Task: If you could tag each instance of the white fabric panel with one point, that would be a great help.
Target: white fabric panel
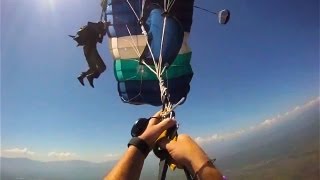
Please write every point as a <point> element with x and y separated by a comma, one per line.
<point>185,44</point>
<point>123,47</point>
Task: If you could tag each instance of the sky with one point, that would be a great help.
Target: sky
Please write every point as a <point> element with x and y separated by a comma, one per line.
<point>263,63</point>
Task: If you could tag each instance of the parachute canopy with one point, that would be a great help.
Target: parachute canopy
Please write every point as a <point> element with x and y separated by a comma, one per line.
<point>148,40</point>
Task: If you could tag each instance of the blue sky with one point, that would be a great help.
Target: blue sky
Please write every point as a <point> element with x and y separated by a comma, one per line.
<point>264,62</point>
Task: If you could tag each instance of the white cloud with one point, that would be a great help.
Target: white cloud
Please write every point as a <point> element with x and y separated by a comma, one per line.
<point>218,138</point>
<point>269,122</point>
<point>313,102</point>
<point>296,108</point>
<point>264,124</point>
<point>251,128</point>
<point>18,152</point>
<point>61,155</point>
<point>110,156</point>
<point>213,138</point>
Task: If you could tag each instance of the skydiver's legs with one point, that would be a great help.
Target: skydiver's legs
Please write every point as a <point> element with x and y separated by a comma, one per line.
<point>89,51</point>
<point>91,59</point>
<point>101,67</point>
<point>92,76</point>
<point>95,62</point>
<point>81,77</point>
<point>88,73</point>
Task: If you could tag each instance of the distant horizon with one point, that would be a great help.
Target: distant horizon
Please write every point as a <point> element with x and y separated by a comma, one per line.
<point>25,153</point>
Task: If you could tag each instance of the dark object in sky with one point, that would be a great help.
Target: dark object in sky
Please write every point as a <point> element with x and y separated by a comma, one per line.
<point>224,16</point>
<point>88,36</point>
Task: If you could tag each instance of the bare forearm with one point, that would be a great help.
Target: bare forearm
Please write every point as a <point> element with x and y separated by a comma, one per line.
<point>129,166</point>
<point>186,152</point>
<point>204,169</point>
<point>208,172</point>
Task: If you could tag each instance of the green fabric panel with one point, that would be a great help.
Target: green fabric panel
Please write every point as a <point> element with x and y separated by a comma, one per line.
<point>118,74</point>
<point>130,69</point>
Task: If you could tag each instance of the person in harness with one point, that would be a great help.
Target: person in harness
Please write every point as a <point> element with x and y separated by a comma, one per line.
<point>88,36</point>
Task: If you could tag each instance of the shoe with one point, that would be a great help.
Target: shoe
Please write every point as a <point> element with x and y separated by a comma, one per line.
<point>80,78</point>
<point>90,79</point>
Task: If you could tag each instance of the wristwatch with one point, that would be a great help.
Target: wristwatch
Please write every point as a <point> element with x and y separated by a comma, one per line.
<point>140,144</point>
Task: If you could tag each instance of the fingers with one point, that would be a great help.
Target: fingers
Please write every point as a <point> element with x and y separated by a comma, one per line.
<point>155,119</point>
<point>166,124</point>
<point>164,143</point>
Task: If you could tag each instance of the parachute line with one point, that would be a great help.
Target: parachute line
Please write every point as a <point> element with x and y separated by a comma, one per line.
<point>162,86</point>
<point>145,34</point>
<point>133,10</point>
<point>165,5</point>
<point>139,94</point>
<point>153,59</point>
<point>163,70</point>
<point>205,10</point>
<point>150,68</point>
<point>142,8</point>
<point>162,38</point>
<point>158,71</point>
<point>133,44</point>
<point>104,5</point>
<point>137,51</point>
<point>170,6</point>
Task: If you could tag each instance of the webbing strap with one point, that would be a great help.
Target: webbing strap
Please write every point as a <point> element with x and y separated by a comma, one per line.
<point>187,173</point>
<point>163,167</point>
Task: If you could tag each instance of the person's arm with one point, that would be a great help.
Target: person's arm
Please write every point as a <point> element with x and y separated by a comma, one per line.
<point>130,165</point>
<point>187,153</point>
<point>205,170</point>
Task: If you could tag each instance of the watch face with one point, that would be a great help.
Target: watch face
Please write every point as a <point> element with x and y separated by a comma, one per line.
<point>139,127</point>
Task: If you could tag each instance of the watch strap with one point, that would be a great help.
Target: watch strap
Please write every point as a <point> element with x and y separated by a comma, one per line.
<point>140,144</point>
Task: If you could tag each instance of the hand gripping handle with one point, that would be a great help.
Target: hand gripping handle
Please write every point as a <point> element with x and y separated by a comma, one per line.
<point>170,134</point>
